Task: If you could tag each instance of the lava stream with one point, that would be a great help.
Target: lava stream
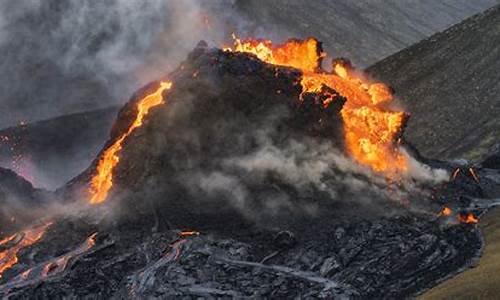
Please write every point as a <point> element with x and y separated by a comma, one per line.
<point>54,266</point>
<point>467,218</point>
<point>102,181</point>
<point>446,212</point>
<point>189,233</point>
<point>8,257</point>
<point>371,128</point>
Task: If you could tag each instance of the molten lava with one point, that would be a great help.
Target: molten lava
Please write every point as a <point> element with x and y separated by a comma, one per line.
<point>8,257</point>
<point>446,211</point>
<point>305,55</point>
<point>102,181</point>
<point>371,128</point>
<point>189,233</point>
<point>467,218</point>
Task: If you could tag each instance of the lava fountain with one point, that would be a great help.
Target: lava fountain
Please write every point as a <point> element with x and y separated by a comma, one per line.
<point>371,128</point>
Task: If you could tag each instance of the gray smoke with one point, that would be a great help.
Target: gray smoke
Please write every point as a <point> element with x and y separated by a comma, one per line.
<point>310,167</point>
<point>60,57</point>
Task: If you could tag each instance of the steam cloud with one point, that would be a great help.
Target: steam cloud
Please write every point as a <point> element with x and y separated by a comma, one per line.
<point>60,57</point>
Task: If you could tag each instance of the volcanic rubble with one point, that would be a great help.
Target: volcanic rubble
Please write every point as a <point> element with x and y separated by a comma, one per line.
<point>193,212</point>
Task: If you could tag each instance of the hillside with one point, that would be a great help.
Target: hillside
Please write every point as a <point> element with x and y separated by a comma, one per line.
<point>16,196</point>
<point>48,153</point>
<point>449,83</point>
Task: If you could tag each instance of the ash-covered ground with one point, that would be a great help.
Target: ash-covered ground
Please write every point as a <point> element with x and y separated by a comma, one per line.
<point>234,188</point>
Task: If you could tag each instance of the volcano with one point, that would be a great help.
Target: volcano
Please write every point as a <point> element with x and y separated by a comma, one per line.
<point>248,172</point>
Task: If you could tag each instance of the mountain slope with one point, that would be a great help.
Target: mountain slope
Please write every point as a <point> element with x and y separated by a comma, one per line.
<point>50,152</point>
<point>20,203</point>
<point>450,84</point>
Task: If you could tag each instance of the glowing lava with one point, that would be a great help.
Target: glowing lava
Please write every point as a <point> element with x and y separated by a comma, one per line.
<point>8,257</point>
<point>102,181</point>
<point>468,218</point>
<point>446,211</point>
<point>371,128</point>
<point>189,233</point>
<point>305,55</point>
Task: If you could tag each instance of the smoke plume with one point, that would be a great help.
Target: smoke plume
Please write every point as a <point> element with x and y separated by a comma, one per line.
<point>61,57</point>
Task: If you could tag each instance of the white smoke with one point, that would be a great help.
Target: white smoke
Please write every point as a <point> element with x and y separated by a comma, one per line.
<point>422,172</point>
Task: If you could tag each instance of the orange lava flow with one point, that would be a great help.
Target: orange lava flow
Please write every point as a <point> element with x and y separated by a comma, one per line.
<point>102,181</point>
<point>446,211</point>
<point>304,55</point>
<point>371,128</point>
<point>468,218</point>
<point>8,257</point>
<point>189,233</point>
